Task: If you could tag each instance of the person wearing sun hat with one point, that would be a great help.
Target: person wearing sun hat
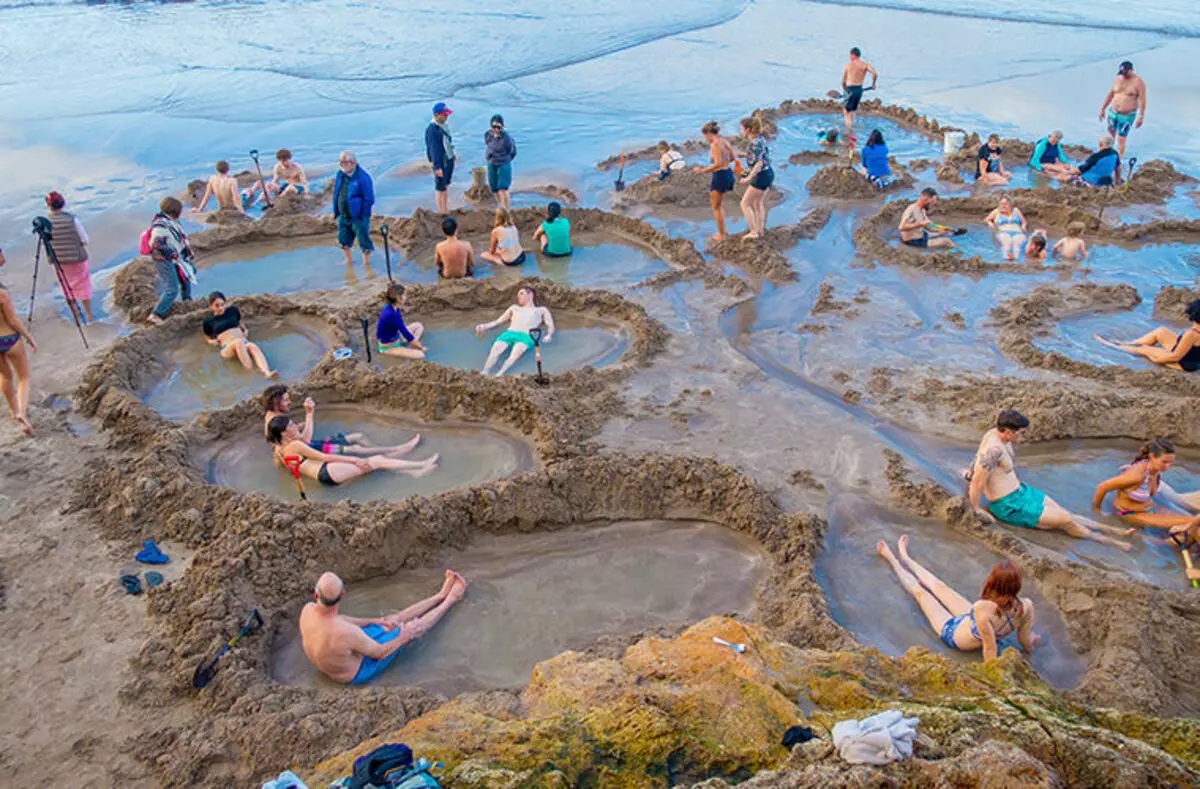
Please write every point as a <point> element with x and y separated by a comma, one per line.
<point>439,147</point>
<point>1125,103</point>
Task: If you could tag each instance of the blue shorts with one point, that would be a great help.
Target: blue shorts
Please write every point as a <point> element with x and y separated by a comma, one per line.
<point>1120,124</point>
<point>351,229</point>
<point>293,188</point>
<point>372,668</point>
<point>442,183</point>
<point>499,177</point>
<point>921,242</point>
<point>721,181</point>
<point>764,179</point>
<point>1022,507</point>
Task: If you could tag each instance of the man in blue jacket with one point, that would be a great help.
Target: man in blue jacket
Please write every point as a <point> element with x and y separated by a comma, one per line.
<point>353,198</point>
<point>439,147</point>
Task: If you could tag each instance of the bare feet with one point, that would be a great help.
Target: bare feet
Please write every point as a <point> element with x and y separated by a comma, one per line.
<point>429,467</point>
<point>154,320</point>
<point>718,237</point>
<point>408,446</point>
<point>272,374</point>
<point>902,546</point>
<point>450,578</point>
<point>751,235</point>
<point>883,550</point>
<point>457,591</point>
<point>26,428</point>
<point>460,577</point>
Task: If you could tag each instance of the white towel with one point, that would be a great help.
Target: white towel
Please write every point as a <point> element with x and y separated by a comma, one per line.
<point>879,739</point>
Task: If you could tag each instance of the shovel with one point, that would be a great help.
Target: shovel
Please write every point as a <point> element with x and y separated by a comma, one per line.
<point>387,252</point>
<point>1128,178</point>
<point>208,669</point>
<point>536,333</point>
<point>366,338</point>
<point>293,465</point>
<point>619,184</point>
<point>1191,570</point>
<point>261,182</point>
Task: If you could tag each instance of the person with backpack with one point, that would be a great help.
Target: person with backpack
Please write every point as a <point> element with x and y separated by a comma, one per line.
<point>439,148</point>
<point>167,244</point>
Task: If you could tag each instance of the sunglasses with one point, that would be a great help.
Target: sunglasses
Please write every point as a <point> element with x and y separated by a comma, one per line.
<point>497,126</point>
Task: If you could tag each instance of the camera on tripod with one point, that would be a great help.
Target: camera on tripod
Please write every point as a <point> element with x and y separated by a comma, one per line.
<point>43,229</point>
<point>42,226</point>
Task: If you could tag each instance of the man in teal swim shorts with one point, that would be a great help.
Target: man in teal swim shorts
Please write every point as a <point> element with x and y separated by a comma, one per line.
<point>352,650</point>
<point>1126,105</point>
<point>522,316</point>
<point>1015,503</point>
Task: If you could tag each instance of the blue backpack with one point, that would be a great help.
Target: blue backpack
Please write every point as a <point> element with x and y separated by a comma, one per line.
<point>390,766</point>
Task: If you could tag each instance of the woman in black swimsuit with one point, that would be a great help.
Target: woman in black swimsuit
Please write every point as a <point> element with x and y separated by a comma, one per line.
<point>334,469</point>
<point>1163,346</point>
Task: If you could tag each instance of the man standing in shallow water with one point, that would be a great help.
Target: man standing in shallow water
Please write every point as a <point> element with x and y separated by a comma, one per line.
<point>353,650</point>
<point>853,75</point>
<point>439,149</point>
<point>1126,105</point>
<point>353,198</point>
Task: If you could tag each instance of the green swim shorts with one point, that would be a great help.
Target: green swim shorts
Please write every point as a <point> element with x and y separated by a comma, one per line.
<point>510,337</point>
<point>399,342</point>
<point>1022,507</point>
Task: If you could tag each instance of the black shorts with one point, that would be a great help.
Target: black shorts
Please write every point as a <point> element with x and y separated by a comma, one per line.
<point>323,476</point>
<point>721,181</point>
<point>921,242</point>
<point>441,183</point>
<point>763,180</point>
<point>519,261</point>
<point>853,97</point>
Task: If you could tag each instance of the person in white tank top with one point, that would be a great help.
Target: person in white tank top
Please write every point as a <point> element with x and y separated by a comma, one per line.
<point>505,248</point>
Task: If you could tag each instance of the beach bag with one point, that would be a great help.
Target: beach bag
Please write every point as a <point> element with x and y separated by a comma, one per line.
<point>375,768</point>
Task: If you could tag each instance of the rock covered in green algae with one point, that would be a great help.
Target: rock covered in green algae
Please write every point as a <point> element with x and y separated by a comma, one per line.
<point>688,710</point>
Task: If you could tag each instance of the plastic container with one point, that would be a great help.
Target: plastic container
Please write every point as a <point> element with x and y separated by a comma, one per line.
<point>952,142</point>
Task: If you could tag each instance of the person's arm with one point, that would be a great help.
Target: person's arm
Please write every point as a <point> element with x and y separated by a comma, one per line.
<point>369,647</point>
<point>716,155</point>
<point>441,264</point>
<point>512,146</point>
<point>435,148</point>
<point>277,173</point>
<point>204,200</point>
<point>306,432</point>
<point>368,190</point>
<point>1062,155</point>
<point>1141,106</point>
<point>845,71</point>
<point>984,466</point>
<point>494,244</point>
<point>1025,635</point>
<point>908,224</point>
<point>984,612</point>
<point>83,236</point>
<point>539,233</point>
<point>10,317</point>
<point>1129,479</point>
<point>991,218</point>
<point>981,166</point>
<point>874,75</point>
<point>548,320</point>
<point>303,176</point>
<point>493,324</point>
<point>1082,250</point>
<point>1108,97</point>
<point>470,261</point>
<point>1021,218</point>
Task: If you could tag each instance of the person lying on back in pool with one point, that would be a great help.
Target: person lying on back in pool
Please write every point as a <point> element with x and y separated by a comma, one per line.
<point>454,258</point>
<point>1073,247</point>
<point>1015,503</point>
<point>329,469</point>
<point>1136,486</point>
<point>392,337</point>
<point>353,650</point>
<point>961,624</point>
<point>1163,346</point>
<point>522,316</point>
<point>277,402</point>
<point>225,330</point>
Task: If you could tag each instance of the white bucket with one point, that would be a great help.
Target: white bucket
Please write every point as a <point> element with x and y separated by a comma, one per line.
<point>952,142</point>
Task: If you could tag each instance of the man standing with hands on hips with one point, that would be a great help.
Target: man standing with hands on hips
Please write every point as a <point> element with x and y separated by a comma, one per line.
<point>439,147</point>
<point>1126,105</point>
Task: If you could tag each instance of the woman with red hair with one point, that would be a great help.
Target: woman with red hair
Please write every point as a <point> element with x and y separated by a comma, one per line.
<point>69,241</point>
<point>962,624</point>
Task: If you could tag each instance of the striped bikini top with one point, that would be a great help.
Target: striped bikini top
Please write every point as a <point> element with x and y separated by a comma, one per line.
<point>1146,490</point>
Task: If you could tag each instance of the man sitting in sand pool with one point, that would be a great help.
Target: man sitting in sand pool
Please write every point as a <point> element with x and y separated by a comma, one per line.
<point>353,650</point>
<point>1102,168</point>
<point>915,228</point>
<point>1015,503</point>
<point>289,175</point>
<point>224,329</point>
<point>277,402</point>
<point>224,187</point>
<point>522,316</point>
<point>455,259</point>
<point>1165,346</point>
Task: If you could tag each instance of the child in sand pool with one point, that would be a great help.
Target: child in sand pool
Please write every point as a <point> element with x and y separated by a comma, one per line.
<point>1072,247</point>
<point>1035,250</point>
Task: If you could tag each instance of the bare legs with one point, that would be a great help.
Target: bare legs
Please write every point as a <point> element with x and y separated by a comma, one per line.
<point>937,600</point>
<point>430,611</point>
<point>755,210</point>
<point>441,199</point>
<point>250,355</point>
<point>344,471</point>
<point>498,348</point>
<point>361,450</point>
<point>1012,244</point>
<point>404,352</point>
<point>1054,516</point>
<point>994,179</point>
<point>14,367</point>
<point>1149,346</point>
<point>502,200</point>
<point>1058,170</point>
<point>1158,520</point>
<point>717,201</point>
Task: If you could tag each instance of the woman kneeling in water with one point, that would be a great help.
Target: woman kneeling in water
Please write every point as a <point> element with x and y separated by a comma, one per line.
<point>961,624</point>
<point>1137,485</point>
<point>277,402</point>
<point>1184,349</point>
<point>226,330</point>
<point>334,469</point>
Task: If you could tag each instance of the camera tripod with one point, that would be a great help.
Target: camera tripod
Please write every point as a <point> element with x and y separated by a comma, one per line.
<point>42,229</point>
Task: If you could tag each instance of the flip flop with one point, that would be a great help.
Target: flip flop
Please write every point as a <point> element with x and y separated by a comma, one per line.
<point>153,579</point>
<point>342,353</point>
<point>150,554</point>
<point>132,584</point>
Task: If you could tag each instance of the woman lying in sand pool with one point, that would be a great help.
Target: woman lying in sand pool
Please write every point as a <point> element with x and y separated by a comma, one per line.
<point>1163,346</point>
<point>1009,224</point>
<point>960,623</point>
<point>225,330</point>
<point>277,402</point>
<point>334,469</point>
<point>1137,485</point>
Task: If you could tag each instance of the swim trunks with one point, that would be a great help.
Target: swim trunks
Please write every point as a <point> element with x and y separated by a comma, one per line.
<point>370,667</point>
<point>721,181</point>
<point>442,182</point>
<point>853,97</point>
<point>1120,123</point>
<point>1023,507</point>
<point>763,180</point>
<point>511,337</point>
<point>295,188</point>
<point>8,342</point>
<point>399,342</point>
<point>921,242</point>
<point>330,445</point>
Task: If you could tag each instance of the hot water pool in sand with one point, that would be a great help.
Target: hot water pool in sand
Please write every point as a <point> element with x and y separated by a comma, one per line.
<point>867,599</point>
<point>533,596</point>
<point>471,454</point>
<point>579,341</point>
<point>192,376</point>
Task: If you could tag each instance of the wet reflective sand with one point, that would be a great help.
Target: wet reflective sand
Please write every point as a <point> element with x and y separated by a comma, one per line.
<point>535,595</point>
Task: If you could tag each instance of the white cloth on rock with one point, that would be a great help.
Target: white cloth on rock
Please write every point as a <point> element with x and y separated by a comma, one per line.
<point>879,739</point>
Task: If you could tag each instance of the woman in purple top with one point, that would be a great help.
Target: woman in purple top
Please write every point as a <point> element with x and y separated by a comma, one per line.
<point>393,338</point>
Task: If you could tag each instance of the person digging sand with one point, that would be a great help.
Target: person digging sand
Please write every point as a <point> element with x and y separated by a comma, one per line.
<point>522,316</point>
<point>277,402</point>
<point>1015,503</point>
<point>1163,346</point>
<point>1136,486</point>
<point>961,624</point>
<point>353,650</point>
<point>14,363</point>
<point>332,470</point>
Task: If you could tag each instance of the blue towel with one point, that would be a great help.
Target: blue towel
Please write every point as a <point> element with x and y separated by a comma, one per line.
<point>150,554</point>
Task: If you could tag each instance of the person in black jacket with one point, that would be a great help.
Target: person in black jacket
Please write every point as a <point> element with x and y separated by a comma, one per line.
<point>439,147</point>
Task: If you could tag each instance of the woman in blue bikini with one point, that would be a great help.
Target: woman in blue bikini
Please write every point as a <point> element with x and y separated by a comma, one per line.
<point>960,623</point>
<point>14,364</point>
<point>1009,224</point>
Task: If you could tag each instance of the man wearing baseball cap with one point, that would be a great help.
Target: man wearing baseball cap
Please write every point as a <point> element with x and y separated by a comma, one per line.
<point>1126,104</point>
<point>439,147</point>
